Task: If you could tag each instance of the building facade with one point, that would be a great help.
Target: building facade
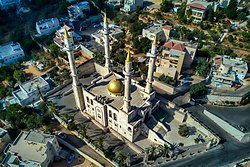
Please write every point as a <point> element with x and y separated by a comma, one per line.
<point>199,9</point>
<point>59,38</point>
<point>10,52</point>
<point>31,149</point>
<point>47,26</point>
<point>78,11</point>
<point>228,71</point>
<point>29,93</point>
<point>157,30</point>
<point>5,4</point>
<point>131,5</point>
<point>176,56</point>
<point>4,139</point>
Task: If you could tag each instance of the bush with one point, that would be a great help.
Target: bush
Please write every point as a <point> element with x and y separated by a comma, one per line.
<point>71,126</point>
<point>230,38</point>
<point>198,91</point>
<point>183,130</point>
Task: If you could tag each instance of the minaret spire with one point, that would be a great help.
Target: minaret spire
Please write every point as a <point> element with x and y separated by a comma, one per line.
<point>76,86</point>
<point>151,67</point>
<point>106,42</point>
<point>127,91</point>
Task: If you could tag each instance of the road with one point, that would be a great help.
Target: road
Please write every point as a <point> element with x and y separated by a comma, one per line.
<point>79,144</point>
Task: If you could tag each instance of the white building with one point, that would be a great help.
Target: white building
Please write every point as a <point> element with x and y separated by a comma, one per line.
<point>161,32</point>
<point>131,5</point>
<point>199,9</point>
<point>5,4</point>
<point>10,52</point>
<point>59,38</point>
<point>47,26</point>
<point>78,11</point>
<point>28,92</point>
<point>228,71</point>
<point>115,2</point>
<point>32,149</point>
<point>115,32</point>
<point>4,139</point>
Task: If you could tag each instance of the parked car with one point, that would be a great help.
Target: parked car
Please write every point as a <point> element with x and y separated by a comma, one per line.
<point>62,135</point>
<point>71,158</point>
<point>242,128</point>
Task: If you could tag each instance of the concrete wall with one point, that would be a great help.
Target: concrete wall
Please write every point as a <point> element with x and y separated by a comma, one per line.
<point>224,100</point>
<point>160,85</point>
<point>199,126</point>
<point>87,51</point>
<point>226,126</point>
<point>79,152</point>
<point>151,135</point>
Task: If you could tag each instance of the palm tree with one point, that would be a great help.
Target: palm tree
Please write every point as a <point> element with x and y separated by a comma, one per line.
<point>52,107</point>
<point>40,94</point>
<point>100,141</point>
<point>66,117</point>
<point>152,151</point>
<point>83,130</point>
<point>120,156</point>
<point>164,150</point>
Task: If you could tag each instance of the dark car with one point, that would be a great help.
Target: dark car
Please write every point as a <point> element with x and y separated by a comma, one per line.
<point>71,158</point>
<point>62,135</point>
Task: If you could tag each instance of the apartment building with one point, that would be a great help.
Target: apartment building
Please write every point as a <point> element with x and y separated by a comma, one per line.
<point>10,52</point>
<point>47,26</point>
<point>227,71</point>
<point>78,11</point>
<point>131,5</point>
<point>199,9</point>
<point>176,56</point>
<point>28,92</point>
<point>161,32</point>
<point>31,149</point>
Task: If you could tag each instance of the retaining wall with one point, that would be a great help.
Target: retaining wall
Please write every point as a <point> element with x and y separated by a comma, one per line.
<point>168,88</point>
<point>227,127</point>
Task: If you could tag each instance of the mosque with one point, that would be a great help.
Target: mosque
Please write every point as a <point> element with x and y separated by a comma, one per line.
<point>112,101</point>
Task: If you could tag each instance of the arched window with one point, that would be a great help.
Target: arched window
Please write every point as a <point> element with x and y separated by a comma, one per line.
<point>115,117</point>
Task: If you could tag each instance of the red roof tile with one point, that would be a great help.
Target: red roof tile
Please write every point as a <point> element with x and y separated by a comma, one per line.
<point>179,47</point>
<point>167,27</point>
<point>169,44</point>
<point>197,5</point>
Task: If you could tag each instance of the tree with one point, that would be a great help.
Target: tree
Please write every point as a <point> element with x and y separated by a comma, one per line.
<point>197,91</point>
<point>183,130</point>
<point>71,126</point>
<point>164,150</point>
<point>99,57</point>
<point>82,129</point>
<point>231,10</point>
<point>100,141</point>
<point>19,76</point>
<point>211,14</point>
<point>189,12</point>
<point>54,51</point>
<point>230,38</point>
<point>202,68</point>
<point>2,92</point>
<point>166,5</point>
<point>120,156</point>
<point>152,151</point>
<point>241,16</point>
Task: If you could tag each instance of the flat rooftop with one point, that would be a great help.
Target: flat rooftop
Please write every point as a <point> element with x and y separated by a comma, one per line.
<point>47,21</point>
<point>3,132</point>
<point>155,28</point>
<point>100,88</point>
<point>31,146</point>
<point>9,49</point>
<point>238,63</point>
<point>31,85</point>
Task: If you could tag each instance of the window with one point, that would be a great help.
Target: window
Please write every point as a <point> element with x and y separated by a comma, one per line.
<point>91,102</point>
<point>88,99</point>
<point>99,116</point>
<point>115,117</point>
<point>110,113</point>
<point>129,129</point>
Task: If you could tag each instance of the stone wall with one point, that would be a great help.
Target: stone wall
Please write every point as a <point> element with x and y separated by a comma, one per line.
<point>224,100</point>
<point>167,88</point>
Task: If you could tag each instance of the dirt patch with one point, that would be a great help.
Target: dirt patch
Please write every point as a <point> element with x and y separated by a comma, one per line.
<point>32,71</point>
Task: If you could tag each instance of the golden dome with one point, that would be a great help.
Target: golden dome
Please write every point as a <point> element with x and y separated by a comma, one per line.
<point>115,87</point>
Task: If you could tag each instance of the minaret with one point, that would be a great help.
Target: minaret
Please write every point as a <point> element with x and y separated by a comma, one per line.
<point>76,86</point>
<point>106,42</point>
<point>151,66</point>
<point>127,90</point>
